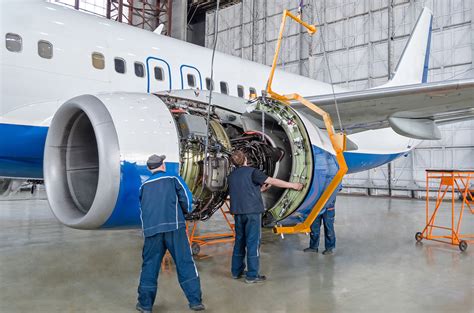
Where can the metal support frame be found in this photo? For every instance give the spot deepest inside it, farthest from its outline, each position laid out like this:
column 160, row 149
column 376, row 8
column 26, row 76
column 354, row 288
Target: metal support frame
column 450, row 182
column 197, row 241
column 338, row 141
column 145, row 14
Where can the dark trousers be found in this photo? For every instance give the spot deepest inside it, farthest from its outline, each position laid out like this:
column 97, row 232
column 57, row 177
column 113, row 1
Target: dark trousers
column 247, row 243
column 329, row 235
column 154, row 248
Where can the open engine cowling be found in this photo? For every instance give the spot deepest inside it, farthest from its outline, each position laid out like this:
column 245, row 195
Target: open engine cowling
column 97, row 147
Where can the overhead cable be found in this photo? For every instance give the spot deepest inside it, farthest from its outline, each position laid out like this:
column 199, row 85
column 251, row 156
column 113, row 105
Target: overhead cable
column 329, row 70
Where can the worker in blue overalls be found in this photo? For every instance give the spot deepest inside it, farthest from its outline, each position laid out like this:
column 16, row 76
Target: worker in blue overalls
column 245, row 186
column 327, row 216
column 165, row 199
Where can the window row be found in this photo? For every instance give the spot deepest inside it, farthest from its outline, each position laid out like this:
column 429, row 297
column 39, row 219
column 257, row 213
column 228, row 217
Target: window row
column 224, row 87
column 14, row 43
column 98, row 62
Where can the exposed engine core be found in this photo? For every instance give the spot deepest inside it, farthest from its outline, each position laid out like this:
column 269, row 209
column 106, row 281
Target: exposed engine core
column 97, row 147
column 271, row 135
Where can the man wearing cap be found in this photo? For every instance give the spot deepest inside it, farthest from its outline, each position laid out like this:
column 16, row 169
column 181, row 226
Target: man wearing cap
column 165, row 199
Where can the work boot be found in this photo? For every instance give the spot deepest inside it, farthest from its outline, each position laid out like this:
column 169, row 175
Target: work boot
column 139, row 308
column 310, row 250
column 197, row 307
column 328, row 252
column 259, row 279
column 240, row 275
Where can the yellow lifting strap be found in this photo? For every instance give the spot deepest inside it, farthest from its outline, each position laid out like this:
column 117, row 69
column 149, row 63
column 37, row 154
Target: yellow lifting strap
column 338, row 141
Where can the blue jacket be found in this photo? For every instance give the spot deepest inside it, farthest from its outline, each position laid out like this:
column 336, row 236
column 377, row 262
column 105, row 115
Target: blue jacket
column 164, row 199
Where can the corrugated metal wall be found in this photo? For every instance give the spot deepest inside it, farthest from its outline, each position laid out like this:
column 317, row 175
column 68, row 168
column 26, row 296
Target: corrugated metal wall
column 363, row 41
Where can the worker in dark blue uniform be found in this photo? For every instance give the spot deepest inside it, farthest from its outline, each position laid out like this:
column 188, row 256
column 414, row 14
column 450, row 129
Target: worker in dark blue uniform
column 327, row 217
column 245, row 186
column 164, row 199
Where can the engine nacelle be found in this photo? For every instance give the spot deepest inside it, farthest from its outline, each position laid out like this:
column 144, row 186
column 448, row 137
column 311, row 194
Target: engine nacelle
column 95, row 156
column 97, row 147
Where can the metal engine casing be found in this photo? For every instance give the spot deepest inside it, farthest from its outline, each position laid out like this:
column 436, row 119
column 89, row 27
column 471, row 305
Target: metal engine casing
column 192, row 126
column 216, row 170
column 95, row 157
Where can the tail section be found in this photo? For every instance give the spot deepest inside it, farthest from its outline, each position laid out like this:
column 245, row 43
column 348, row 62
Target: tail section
column 413, row 65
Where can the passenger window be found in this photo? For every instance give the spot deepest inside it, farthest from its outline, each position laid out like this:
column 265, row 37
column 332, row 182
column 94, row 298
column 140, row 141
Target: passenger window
column 224, row 88
column 253, row 91
column 159, row 73
column 119, row 65
column 45, row 49
column 240, row 91
column 139, row 69
column 98, row 60
column 13, row 42
column 191, row 80
column 209, row 84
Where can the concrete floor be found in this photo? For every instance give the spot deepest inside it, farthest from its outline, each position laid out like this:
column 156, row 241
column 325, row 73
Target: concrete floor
column 46, row 267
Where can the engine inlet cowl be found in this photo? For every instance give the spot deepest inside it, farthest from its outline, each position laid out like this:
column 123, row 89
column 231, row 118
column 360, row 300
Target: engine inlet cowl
column 95, row 157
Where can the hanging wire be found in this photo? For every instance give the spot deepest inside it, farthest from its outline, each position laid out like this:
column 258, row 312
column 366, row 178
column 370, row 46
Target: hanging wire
column 319, row 16
column 191, row 18
column 300, row 8
column 208, row 118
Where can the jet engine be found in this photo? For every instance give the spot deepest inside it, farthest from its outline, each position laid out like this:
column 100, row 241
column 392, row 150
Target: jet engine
column 97, row 147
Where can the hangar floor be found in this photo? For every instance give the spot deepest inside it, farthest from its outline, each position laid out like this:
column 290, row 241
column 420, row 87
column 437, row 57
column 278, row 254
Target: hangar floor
column 45, row 267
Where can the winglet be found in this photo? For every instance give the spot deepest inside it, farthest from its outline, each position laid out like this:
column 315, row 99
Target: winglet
column 413, row 65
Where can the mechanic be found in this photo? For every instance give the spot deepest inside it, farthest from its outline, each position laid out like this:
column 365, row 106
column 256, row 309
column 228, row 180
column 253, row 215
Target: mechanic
column 165, row 199
column 245, row 186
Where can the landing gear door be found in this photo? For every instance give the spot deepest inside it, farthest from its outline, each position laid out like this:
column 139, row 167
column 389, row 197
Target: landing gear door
column 158, row 74
column 190, row 77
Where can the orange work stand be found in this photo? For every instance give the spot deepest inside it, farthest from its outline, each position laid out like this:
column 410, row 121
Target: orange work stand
column 209, row 238
column 450, row 181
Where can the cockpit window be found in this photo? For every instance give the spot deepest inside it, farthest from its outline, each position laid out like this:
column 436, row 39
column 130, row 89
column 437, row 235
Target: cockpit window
column 13, row 42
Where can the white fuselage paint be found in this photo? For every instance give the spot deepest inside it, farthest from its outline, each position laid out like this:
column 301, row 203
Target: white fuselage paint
column 33, row 88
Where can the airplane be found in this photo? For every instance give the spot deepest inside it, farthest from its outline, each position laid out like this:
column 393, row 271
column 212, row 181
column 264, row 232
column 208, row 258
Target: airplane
column 85, row 101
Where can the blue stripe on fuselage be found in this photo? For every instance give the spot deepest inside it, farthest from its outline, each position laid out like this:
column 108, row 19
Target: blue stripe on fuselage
column 424, row 78
column 325, row 168
column 22, row 148
column 358, row 162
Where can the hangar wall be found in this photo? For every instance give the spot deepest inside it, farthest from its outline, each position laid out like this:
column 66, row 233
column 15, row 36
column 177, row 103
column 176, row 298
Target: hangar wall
column 363, row 41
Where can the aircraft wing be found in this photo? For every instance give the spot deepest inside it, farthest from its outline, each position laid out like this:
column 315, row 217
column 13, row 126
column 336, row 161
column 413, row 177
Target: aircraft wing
column 411, row 110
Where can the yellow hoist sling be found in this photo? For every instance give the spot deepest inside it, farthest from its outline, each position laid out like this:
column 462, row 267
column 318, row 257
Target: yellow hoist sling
column 338, row 140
